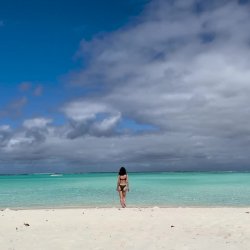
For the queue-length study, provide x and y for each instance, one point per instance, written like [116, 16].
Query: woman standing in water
[122, 185]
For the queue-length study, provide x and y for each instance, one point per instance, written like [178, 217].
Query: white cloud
[84, 110]
[39, 122]
[107, 123]
[88, 117]
[5, 128]
[20, 142]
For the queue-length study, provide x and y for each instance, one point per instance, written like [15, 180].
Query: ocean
[146, 189]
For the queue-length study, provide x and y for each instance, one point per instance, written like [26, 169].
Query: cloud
[33, 133]
[36, 130]
[91, 118]
[40, 122]
[5, 135]
[84, 110]
[182, 67]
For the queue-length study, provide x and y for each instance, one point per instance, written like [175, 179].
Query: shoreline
[117, 207]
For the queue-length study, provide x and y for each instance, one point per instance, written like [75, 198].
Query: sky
[152, 85]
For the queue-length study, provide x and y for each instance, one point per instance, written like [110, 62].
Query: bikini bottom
[123, 187]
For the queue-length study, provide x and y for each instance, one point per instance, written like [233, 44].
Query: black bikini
[122, 186]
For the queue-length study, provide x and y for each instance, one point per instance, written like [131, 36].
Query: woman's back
[123, 178]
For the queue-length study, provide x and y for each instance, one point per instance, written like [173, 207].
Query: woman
[122, 185]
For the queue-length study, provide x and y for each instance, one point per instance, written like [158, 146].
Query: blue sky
[39, 41]
[150, 84]
[39, 38]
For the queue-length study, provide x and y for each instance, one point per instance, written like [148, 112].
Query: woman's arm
[127, 183]
[118, 182]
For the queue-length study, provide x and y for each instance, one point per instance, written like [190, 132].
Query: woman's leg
[124, 198]
[121, 198]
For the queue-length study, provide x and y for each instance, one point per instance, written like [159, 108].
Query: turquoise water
[146, 189]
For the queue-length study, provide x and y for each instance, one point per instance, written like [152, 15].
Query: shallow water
[146, 189]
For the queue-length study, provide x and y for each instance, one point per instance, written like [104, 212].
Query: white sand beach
[130, 228]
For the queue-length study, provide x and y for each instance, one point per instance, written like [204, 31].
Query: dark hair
[122, 171]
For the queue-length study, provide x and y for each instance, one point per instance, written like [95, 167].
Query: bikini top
[123, 178]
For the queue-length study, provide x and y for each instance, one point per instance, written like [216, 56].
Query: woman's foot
[122, 204]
